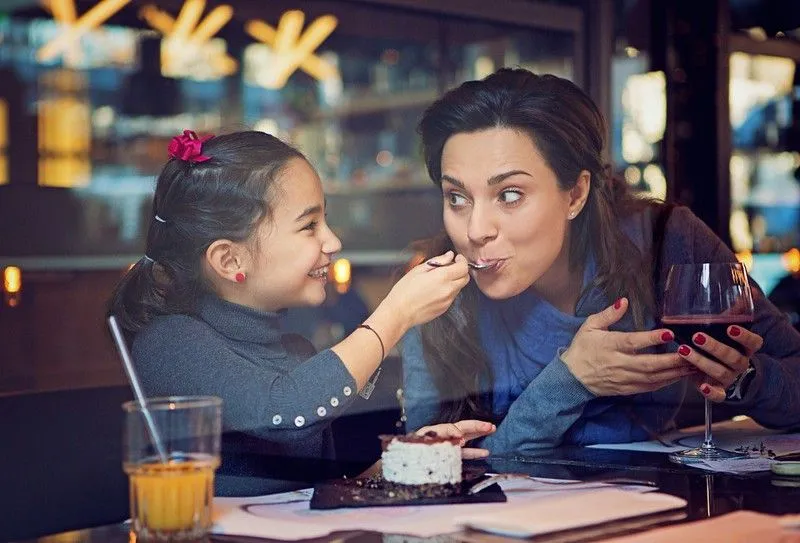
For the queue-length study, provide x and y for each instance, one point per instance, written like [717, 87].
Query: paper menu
[567, 512]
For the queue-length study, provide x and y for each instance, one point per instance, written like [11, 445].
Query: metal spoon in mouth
[472, 265]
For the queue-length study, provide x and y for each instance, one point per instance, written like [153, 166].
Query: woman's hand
[721, 363]
[426, 291]
[465, 430]
[609, 364]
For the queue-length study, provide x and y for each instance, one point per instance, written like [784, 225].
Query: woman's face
[503, 206]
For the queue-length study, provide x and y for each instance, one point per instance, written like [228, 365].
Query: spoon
[472, 265]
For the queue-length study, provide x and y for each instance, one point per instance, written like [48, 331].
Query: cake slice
[421, 460]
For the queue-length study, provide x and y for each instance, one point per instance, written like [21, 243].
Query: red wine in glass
[686, 326]
[708, 298]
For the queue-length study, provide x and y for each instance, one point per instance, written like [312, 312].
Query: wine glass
[706, 298]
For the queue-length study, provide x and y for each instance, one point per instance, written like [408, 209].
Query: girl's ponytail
[138, 297]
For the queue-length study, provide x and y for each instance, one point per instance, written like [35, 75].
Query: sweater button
[334, 401]
[321, 411]
[347, 391]
[277, 419]
[299, 421]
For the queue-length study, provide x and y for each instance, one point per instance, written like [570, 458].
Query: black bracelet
[371, 329]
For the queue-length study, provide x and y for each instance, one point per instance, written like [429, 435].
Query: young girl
[238, 233]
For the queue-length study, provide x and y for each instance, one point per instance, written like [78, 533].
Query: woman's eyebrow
[493, 180]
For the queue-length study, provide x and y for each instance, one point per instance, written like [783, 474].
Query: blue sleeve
[279, 400]
[773, 396]
[539, 418]
[421, 395]
[542, 414]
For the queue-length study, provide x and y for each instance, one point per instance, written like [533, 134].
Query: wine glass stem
[708, 443]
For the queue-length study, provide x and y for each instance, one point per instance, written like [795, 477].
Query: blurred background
[702, 98]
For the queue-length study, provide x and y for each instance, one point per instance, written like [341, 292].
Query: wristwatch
[738, 388]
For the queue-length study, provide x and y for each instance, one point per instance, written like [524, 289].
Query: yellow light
[292, 49]
[212, 24]
[633, 175]
[158, 19]
[186, 34]
[312, 38]
[289, 28]
[12, 280]
[341, 271]
[90, 20]
[746, 258]
[791, 260]
[64, 135]
[312, 65]
[188, 17]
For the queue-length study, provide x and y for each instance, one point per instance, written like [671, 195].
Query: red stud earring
[240, 277]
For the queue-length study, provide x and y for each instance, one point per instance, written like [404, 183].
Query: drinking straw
[127, 363]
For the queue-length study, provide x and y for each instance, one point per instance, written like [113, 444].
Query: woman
[554, 338]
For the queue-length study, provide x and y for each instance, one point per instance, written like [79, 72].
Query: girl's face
[503, 206]
[292, 251]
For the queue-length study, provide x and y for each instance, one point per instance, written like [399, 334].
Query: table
[707, 494]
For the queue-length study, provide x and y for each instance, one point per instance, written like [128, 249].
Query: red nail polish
[618, 303]
[735, 331]
[699, 339]
[683, 350]
[667, 336]
[705, 389]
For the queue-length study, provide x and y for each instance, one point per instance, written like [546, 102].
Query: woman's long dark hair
[222, 198]
[570, 133]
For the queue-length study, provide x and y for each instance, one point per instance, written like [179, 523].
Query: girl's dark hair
[570, 133]
[222, 198]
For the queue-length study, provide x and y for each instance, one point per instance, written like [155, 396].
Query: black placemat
[374, 492]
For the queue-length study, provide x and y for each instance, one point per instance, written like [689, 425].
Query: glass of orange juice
[171, 501]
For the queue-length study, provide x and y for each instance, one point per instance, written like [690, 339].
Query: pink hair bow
[188, 147]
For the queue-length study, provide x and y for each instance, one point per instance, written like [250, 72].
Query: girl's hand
[721, 363]
[609, 364]
[465, 430]
[426, 291]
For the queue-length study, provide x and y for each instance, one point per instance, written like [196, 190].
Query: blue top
[542, 404]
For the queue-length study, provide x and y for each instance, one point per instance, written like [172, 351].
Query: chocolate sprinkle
[375, 491]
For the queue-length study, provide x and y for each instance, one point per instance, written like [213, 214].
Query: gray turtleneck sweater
[278, 399]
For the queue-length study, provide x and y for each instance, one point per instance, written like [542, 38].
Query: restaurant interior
[702, 100]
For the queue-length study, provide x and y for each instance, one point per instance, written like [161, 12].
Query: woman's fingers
[473, 429]
[722, 373]
[447, 429]
[646, 364]
[470, 453]
[633, 341]
[608, 316]
[464, 430]
[751, 341]
[713, 391]
[724, 354]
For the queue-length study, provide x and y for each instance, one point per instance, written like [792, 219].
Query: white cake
[421, 460]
